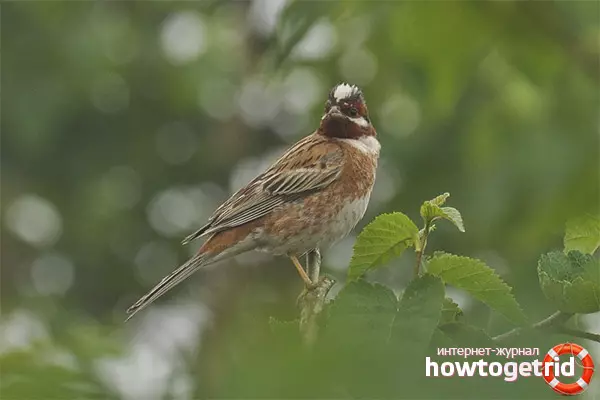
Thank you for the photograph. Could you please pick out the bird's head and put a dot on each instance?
(346, 114)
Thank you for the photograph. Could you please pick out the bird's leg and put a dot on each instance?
(301, 271)
(313, 265)
(312, 299)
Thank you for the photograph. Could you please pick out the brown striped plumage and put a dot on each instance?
(308, 199)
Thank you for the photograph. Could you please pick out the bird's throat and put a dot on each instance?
(339, 126)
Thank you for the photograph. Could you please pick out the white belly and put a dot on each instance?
(340, 226)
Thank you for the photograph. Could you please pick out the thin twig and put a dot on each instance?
(418, 263)
(421, 250)
(292, 41)
(554, 320)
(578, 333)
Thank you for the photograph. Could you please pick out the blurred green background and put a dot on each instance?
(124, 125)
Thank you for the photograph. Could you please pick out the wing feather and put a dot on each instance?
(313, 164)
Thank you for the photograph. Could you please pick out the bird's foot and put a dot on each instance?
(315, 290)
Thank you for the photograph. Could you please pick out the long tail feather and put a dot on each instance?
(195, 235)
(168, 282)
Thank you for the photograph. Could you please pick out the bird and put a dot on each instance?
(307, 200)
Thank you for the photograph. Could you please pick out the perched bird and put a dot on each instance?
(308, 199)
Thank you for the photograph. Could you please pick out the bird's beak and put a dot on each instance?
(335, 111)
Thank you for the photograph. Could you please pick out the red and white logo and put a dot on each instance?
(551, 368)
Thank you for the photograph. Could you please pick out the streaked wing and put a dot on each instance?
(312, 164)
(301, 180)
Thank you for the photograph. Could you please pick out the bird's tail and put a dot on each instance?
(170, 281)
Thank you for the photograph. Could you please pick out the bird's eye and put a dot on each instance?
(353, 112)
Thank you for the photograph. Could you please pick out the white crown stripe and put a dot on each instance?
(344, 90)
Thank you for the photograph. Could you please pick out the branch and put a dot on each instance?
(577, 333)
(421, 250)
(553, 323)
(296, 36)
(312, 300)
(556, 319)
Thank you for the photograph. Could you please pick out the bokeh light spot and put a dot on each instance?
(172, 212)
(318, 42)
(259, 101)
(358, 66)
(34, 220)
(301, 90)
(183, 37)
(400, 115)
(264, 15)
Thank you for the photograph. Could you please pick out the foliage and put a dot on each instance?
(398, 333)
(465, 273)
(480, 281)
(125, 124)
(419, 314)
(571, 281)
(583, 234)
(386, 237)
(382, 238)
(451, 312)
(432, 210)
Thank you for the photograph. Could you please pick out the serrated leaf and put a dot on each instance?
(480, 281)
(453, 215)
(383, 239)
(431, 210)
(571, 281)
(418, 314)
(583, 234)
(361, 312)
(441, 199)
(451, 312)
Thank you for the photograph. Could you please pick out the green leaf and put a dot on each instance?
(453, 215)
(440, 200)
(451, 312)
(440, 339)
(480, 281)
(356, 337)
(583, 234)
(432, 210)
(362, 312)
(418, 314)
(571, 281)
(31, 374)
(383, 239)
